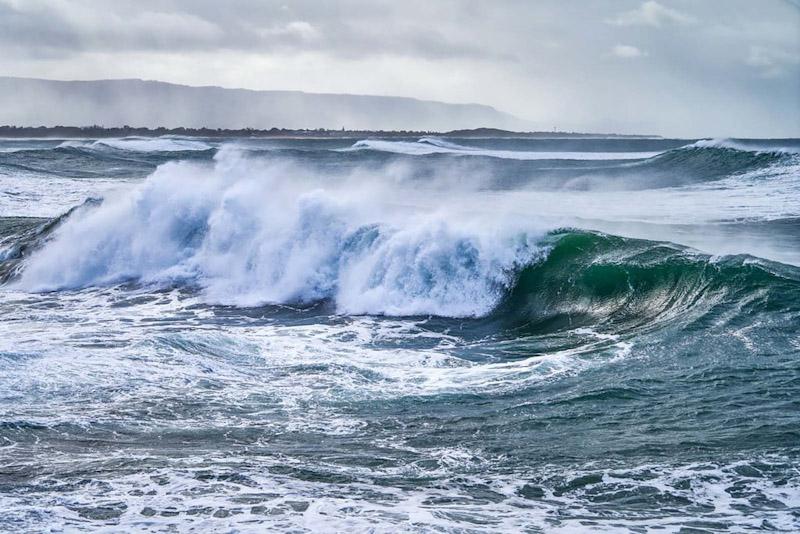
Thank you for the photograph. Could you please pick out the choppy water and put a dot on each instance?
(399, 335)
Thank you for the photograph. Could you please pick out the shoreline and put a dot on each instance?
(95, 132)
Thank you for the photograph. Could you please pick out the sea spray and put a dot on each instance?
(251, 233)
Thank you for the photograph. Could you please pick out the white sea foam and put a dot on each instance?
(432, 145)
(110, 366)
(32, 194)
(241, 498)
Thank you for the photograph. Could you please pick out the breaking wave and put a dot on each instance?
(246, 242)
(244, 235)
(599, 280)
(140, 144)
(433, 145)
(777, 146)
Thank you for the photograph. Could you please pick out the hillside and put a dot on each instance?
(113, 103)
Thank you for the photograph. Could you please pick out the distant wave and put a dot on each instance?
(710, 160)
(105, 158)
(433, 145)
(141, 144)
(692, 163)
(757, 146)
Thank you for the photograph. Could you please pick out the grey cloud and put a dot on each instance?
(651, 13)
(772, 62)
(677, 67)
(627, 51)
(352, 28)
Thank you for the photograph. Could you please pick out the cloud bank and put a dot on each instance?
(677, 67)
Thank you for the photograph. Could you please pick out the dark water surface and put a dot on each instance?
(400, 336)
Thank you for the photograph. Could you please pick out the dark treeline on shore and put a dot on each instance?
(129, 131)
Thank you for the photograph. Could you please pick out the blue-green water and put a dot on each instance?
(431, 335)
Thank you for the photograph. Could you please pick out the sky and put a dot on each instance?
(669, 67)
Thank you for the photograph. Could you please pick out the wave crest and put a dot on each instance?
(140, 144)
(433, 145)
(744, 145)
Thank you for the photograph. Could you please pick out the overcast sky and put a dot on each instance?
(672, 67)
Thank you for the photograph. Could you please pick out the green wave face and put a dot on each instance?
(620, 284)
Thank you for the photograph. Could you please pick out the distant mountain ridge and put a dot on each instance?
(114, 103)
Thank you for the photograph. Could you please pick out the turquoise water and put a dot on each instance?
(400, 335)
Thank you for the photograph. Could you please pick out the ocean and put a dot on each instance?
(399, 335)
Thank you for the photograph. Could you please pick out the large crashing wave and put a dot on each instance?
(564, 279)
(249, 233)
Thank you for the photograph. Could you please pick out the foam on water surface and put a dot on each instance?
(295, 337)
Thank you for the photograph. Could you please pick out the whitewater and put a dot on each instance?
(397, 335)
